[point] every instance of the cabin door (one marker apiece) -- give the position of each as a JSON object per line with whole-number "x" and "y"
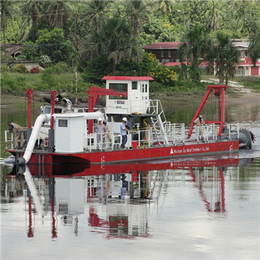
{"x": 139, "y": 97}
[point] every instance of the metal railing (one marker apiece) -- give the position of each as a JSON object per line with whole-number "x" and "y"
{"x": 176, "y": 134}
{"x": 9, "y": 139}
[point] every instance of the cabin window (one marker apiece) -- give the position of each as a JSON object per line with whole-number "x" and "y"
{"x": 169, "y": 53}
{"x": 47, "y": 110}
{"x": 63, "y": 123}
{"x": 134, "y": 85}
{"x": 63, "y": 208}
{"x": 144, "y": 88}
{"x": 118, "y": 87}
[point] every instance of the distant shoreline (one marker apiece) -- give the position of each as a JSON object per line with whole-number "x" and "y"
{"x": 244, "y": 97}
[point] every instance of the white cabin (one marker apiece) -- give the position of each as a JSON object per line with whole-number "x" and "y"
{"x": 137, "y": 100}
{"x": 71, "y": 131}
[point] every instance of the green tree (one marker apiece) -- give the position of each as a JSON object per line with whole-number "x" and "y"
{"x": 191, "y": 51}
{"x": 254, "y": 47}
{"x": 115, "y": 39}
{"x": 165, "y": 6}
{"x": 159, "y": 29}
{"x": 96, "y": 69}
{"x": 95, "y": 13}
{"x": 224, "y": 55}
{"x": 214, "y": 15}
{"x": 58, "y": 13}
{"x": 29, "y": 50}
{"x": 55, "y": 45}
{"x": 6, "y": 14}
{"x": 136, "y": 11}
{"x": 32, "y": 11}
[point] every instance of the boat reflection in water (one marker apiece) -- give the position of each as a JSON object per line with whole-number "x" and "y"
{"x": 117, "y": 199}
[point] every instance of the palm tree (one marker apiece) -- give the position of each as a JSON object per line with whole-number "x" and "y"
{"x": 58, "y": 13}
{"x": 96, "y": 12}
{"x": 165, "y": 6}
{"x": 224, "y": 55}
{"x": 136, "y": 10}
{"x": 115, "y": 39}
{"x": 32, "y": 11}
{"x": 6, "y": 14}
{"x": 191, "y": 50}
{"x": 254, "y": 48}
{"x": 214, "y": 15}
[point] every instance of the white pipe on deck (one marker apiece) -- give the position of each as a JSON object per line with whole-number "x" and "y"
{"x": 87, "y": 115}
{"x": 34, "y": 135}
{"x": 93, "y": 115}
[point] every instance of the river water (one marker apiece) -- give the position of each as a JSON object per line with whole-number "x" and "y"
{"x": 196, "y": 208}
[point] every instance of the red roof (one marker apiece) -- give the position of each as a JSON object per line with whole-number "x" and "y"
{"x": 162, "y": 45}
{"x": 202, "y": 64}
{"x": 175, "y": 63}
{"x": 134, "y": 78}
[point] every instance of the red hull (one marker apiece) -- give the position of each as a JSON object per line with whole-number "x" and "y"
{"x": 66, "y": 170}
{"x": 133, "y": 155}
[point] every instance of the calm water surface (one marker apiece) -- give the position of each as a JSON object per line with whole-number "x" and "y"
{"x": 202, "y": 208}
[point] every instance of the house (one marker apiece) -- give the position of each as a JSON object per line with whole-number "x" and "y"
{"x": 167, "y": 54}
{"x": 245, "y": 67}
{"x": 12, "y": 49}
{"x": 164, "y": 51}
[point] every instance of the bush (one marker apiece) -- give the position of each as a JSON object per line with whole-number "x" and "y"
{"x": 96, "y": 69}
{"x": 47, "y": 79}
{"x": 5, "y": 68}
{"x": 20, "y": 68}
{"x": 165, "y": 75}
{"x": 62, "y": 67}
{"x": 8, "y": 84}
{"x": 29, "y": 50}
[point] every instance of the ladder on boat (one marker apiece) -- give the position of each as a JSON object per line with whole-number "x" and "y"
{"x": 159, "y": 121}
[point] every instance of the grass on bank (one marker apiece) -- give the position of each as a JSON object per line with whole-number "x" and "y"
{"x": 17, "y": 84}
{"x": 252, "y": 82}
{"x": 249, "y": 82}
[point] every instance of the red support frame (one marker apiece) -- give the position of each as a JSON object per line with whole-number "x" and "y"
{"x": 94, "y": 93}
{"x": 219, "y": 92}
{"x": 29, "y": 93}
{"x": 53, "y": 96}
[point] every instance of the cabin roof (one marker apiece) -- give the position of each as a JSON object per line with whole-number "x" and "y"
{"x": 131, "y": 78}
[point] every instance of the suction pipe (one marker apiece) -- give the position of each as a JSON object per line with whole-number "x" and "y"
{"x": 35, "y": 132}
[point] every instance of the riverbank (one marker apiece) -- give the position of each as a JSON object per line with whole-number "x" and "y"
{"x": 238, "y": 94}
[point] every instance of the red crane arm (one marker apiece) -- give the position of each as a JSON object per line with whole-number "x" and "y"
{"x": 94, "y": 93}
{"x": 219, "y": 92}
